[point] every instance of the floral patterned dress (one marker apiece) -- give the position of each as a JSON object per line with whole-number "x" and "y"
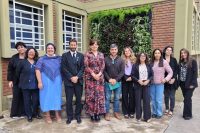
{"x": 94, "y": 90}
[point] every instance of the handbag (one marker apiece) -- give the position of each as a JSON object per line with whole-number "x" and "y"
{"x": 115, "y": 86}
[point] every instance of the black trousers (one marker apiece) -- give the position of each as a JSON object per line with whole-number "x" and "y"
{"x": 128, "y": 98}
{"x": 169, "y": 93}
{"x": 17, "y": 107}
{"x": 187, "y": 94}
{"x": 31, "y": 101}
{"x": 77, "y": 89}
{"x": 142, "y": 95}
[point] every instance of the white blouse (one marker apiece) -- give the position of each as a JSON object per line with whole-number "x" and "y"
{"x": 143, "y": 74}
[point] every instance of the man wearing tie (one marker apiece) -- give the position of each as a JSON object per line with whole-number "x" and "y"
{"x": 72, "y": 67}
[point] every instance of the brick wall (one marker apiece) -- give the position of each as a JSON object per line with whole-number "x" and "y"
{"x": 6, "y": 89}
{"x": 163, "y": 24}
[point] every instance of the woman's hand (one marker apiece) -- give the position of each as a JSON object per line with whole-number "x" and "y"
{"x": 10, "y": 84}
{"x": 129, "y": 79}
{"x": 140, "y": 82}
{"x": 146, "y": 82}
{"x": 40, "y": 85}
{"x": 171, "y": 81}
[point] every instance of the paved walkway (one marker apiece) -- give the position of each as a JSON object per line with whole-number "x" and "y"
{"x": 176, "y": 124}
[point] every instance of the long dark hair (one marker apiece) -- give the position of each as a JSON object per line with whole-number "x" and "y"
{"x": 160, "y": 64}
{"x": 36, "y": 53}
{"x": 138, "y": 58}
{"x": 164, "y": 51}
{"x": 188, "y": 60}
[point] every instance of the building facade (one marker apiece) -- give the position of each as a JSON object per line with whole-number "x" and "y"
{"x": 37, "y": 22}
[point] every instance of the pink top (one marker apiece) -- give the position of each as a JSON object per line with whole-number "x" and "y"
{"x": 159, "y": 72}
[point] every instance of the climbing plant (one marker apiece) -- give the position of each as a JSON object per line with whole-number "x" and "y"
{"x": 125, "y": 27}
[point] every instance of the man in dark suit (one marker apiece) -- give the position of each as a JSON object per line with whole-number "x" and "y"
{"x": 72, "y": 67}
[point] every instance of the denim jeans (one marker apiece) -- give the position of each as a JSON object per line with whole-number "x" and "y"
{"x": 108, "y": 94}
{"x": 156, "y": 92}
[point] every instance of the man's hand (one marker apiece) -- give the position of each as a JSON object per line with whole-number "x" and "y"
{"x": 112, "y": 81}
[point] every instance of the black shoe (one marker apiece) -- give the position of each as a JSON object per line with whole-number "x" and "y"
{"x": 69, "y": 120}
{"x": 187, "y": 118}
{"x": 158, "y": 117}
{"x": 97, "y": 118}
{"x": 154, "y": 116}
{"x": 78, "y": 120}
{"x": 92, "y": 118}
{"x": 38, "y": 116}
{"x": 29, "y": 119}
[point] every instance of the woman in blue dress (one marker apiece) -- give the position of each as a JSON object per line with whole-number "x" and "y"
{"x": 50, "y": 82}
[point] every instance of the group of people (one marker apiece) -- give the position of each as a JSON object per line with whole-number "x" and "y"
{"x": 37, "y": 82}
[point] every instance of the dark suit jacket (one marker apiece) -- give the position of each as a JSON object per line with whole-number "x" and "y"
{"x": 135, "y": 73}
{"x": 12, "y": 68}
{"x": 70, "y": 68}
{"x": 191, "y": 76}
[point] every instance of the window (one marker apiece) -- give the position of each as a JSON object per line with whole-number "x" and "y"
{"x": 72, "y": 28}
{"x": 26, "y": 24}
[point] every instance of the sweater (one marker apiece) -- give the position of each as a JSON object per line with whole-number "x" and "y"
{"x": 159, "y": 72}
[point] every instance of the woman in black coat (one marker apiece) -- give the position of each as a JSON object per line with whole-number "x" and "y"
{"x": 25, "y": 72}
{"x": 170, "y": 86}
{"x": 142, "y": 75}
{"x": 17, "y": 107}
{"x": 187, "y": 77}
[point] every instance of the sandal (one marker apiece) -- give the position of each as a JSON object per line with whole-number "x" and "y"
{"x": 48, "y": 119}
{"x": 166, "y": 112}
{"x": 170, "y": 113}
{"x": 126, "y": 116}
{"x": 131, "y": 115}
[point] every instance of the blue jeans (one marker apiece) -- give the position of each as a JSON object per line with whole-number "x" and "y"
{"x": 108, "y": 94}
{"x": 156, "y": 92}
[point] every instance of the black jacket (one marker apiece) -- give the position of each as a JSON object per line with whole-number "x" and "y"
{"x": 12, "y": 65}
{"x": 191, "y": 76}
{"x": 135, "y": 73}
{"x": 114, "y": 70}
{"x": 173, "y": 64}
{"x": 70, "y": 68}
{"x": 23, "y": 73}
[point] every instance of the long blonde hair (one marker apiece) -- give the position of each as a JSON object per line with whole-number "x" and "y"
{"x": 132, "y": 56}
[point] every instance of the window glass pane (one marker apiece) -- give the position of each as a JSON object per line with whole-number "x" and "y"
{"x": 12, "y": 44}
{"x": 18, "y": 20}
{"x": 27, "y": 35}
{"x": 17, "y": 13}
{"x": 22, "y": 7}
{"x": 18, "y": 34}
{"x": 25, "y": 15}
{"x": 12, "y": 33}
{"x": 11, "y": 16}
{"x": 26, "y": 21}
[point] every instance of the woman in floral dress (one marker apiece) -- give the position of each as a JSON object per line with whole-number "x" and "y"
{"x": 94, "y": 82}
